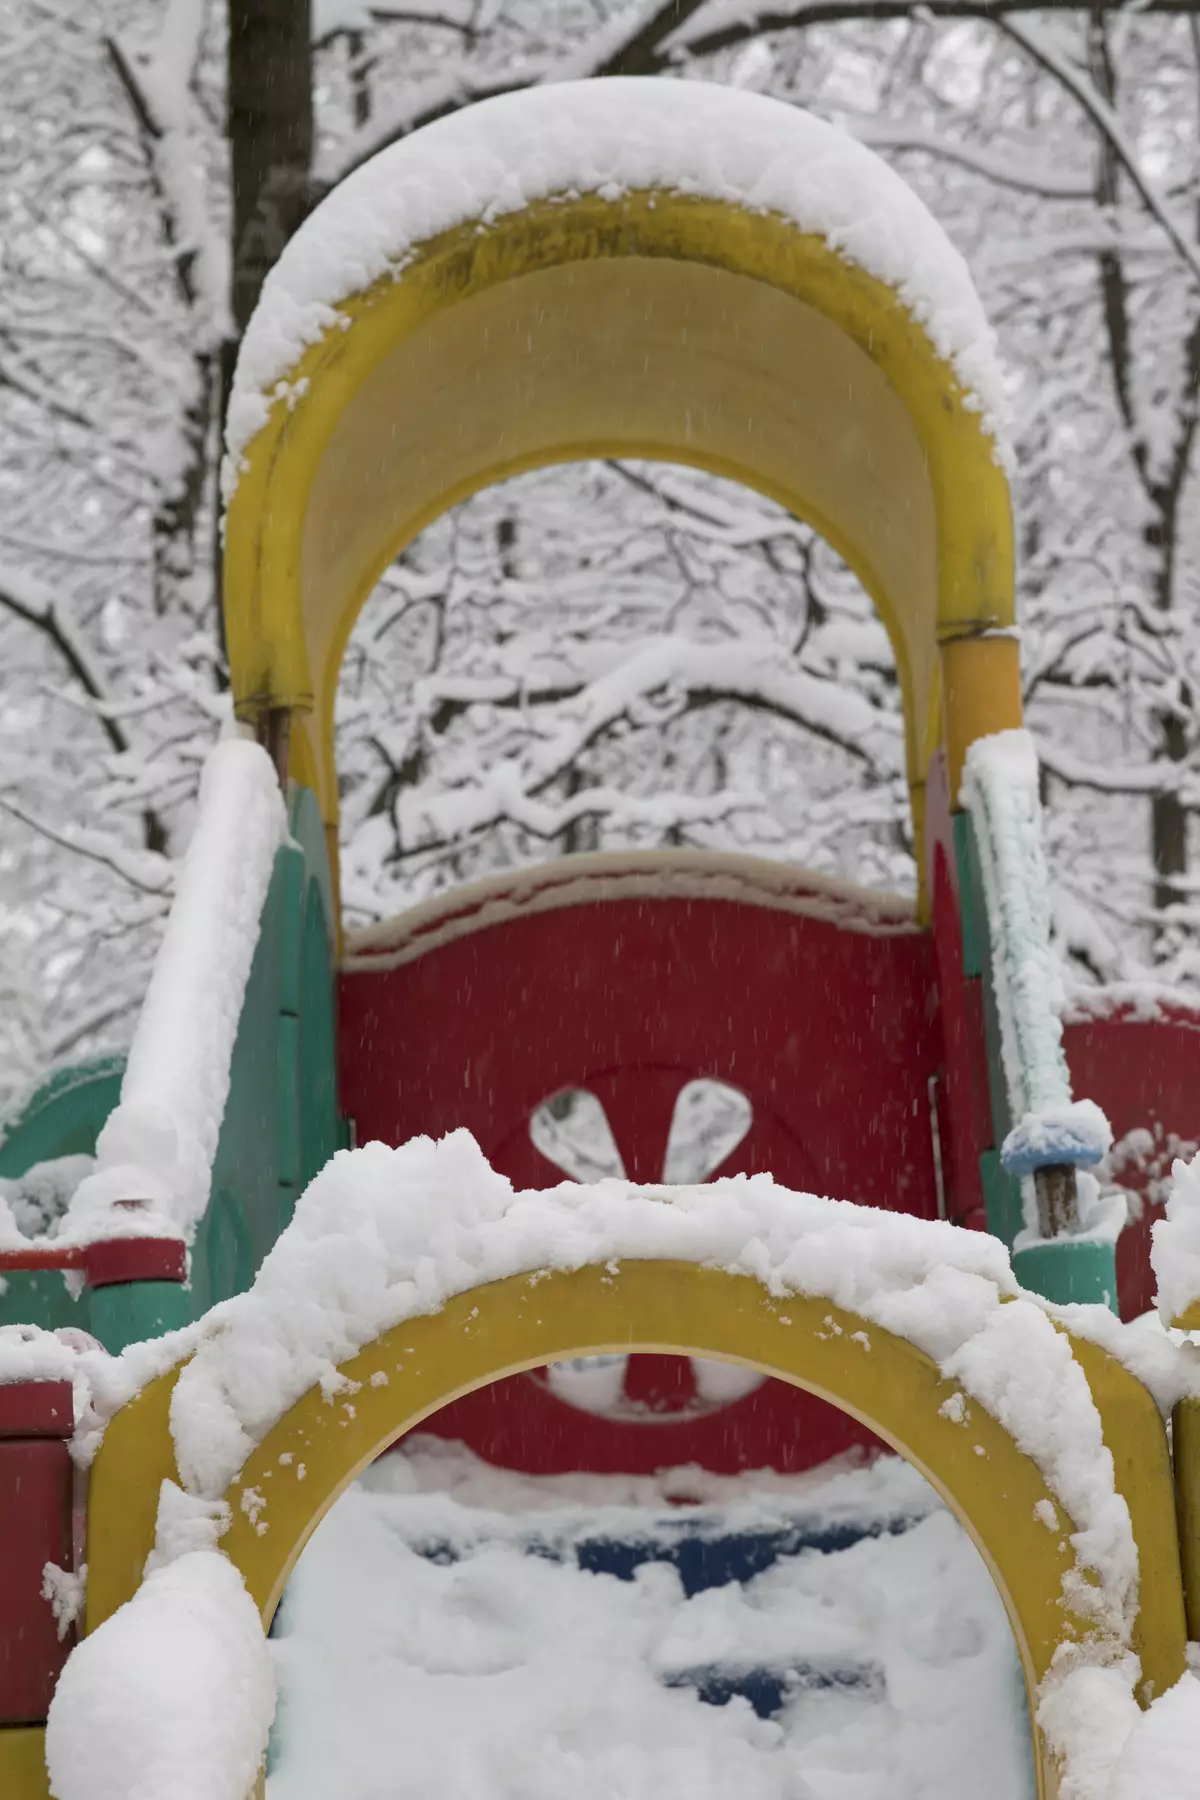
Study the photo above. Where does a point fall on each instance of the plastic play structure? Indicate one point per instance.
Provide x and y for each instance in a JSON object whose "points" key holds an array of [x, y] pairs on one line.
{"points": [[903, 1057]]}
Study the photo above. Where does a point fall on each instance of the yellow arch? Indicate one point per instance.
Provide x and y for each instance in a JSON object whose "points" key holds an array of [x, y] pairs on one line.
{"points": [[657, 325], [319, 1447]]}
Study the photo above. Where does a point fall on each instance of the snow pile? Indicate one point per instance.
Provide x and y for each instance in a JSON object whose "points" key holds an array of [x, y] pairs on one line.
{"points": [[1000, 792], [1110, 1749], [451, 1501], [27, 1353], [32, 1204], [154, 1156], [171, 1698], [1175, 1244], [502, 1675], [609, 137], [1161, 1755]]}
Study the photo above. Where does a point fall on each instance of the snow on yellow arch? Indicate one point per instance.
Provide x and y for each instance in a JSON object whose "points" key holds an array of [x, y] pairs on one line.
{"points": [[997, 1491], [621, 268]]}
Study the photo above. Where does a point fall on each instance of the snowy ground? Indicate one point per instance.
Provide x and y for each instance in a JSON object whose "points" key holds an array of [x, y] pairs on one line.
{"points": [[424, 1651]]}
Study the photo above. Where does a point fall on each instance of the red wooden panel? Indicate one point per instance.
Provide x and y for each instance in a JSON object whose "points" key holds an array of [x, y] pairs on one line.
{"points": [[36, 1409], [35, 1528], [520, 1424], [1144, 1073], [832, 1034]]}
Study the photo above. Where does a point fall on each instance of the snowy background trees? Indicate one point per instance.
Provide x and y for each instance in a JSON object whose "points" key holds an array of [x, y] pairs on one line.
{"points": [[597, 655]]}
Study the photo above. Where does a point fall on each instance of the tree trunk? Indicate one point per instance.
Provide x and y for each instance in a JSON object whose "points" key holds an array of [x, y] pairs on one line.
{"points": [[1169, 823], [270, 128]]}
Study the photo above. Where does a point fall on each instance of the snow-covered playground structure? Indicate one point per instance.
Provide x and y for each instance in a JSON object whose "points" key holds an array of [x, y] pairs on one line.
{"points": [[646, 269]]}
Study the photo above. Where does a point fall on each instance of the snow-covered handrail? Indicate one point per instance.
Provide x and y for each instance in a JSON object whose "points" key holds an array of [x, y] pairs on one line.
{"points": [[155, 1154], [1050, 1129]]}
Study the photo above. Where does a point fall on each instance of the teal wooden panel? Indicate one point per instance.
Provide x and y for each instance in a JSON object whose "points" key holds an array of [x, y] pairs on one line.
{"points": [[245, 1170], [288, 1161], [1070, 1272], [308, 831], [41, 1297], [1002, 1198], [970, 895], [128, 1312], [319, 1138], [281, 1122], [63, 1117]]}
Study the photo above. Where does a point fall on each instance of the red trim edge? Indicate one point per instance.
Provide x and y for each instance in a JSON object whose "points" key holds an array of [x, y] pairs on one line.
{"points": [[107, 1261], [110, 1260]]}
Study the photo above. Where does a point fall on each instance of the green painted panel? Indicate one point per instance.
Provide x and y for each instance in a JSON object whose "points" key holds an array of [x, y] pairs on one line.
{"points": [[308, 831], [130, 1311], [281, 1122], [1069, 1272], [287, 1197], [970, 895], [63, 1117], [41, 1297], [245, 1170], [1002, 1198], [319, 1137], [291, 926], [288, 1161]]}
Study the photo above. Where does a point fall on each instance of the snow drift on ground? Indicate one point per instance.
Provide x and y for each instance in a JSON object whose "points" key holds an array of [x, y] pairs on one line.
{"points": [[609, 137]]}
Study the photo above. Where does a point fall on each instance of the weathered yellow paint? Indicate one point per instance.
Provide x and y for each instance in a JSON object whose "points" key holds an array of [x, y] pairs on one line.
{"points": [[1137, 1440], [317, 1449], [135, 1457], [981, 693], [1185, 1444], [653, 325], [23, 1773]]}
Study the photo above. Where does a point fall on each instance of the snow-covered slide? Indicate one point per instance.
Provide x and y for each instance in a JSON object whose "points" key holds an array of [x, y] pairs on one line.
{"points": [[409, 1276], [772, 1636], [227, 1099]]}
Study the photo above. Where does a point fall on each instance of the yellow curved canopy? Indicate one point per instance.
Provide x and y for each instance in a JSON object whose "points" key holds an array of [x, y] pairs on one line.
{"points": [[651, 325]]}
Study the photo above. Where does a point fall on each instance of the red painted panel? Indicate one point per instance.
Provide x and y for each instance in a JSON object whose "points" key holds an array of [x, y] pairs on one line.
{"points": [[35, 1528], [1144, 1073], [831, 1033], [520, 1424], [36, 1409]]}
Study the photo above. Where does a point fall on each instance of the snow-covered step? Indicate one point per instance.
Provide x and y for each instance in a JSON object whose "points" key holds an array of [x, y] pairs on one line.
{"points": [[769, 1690], [423, 1651]]}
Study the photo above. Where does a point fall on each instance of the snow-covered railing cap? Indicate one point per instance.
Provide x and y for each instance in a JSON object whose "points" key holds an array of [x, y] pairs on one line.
{"points": [[655, 268], [155, 1154], [1000, 793]]}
